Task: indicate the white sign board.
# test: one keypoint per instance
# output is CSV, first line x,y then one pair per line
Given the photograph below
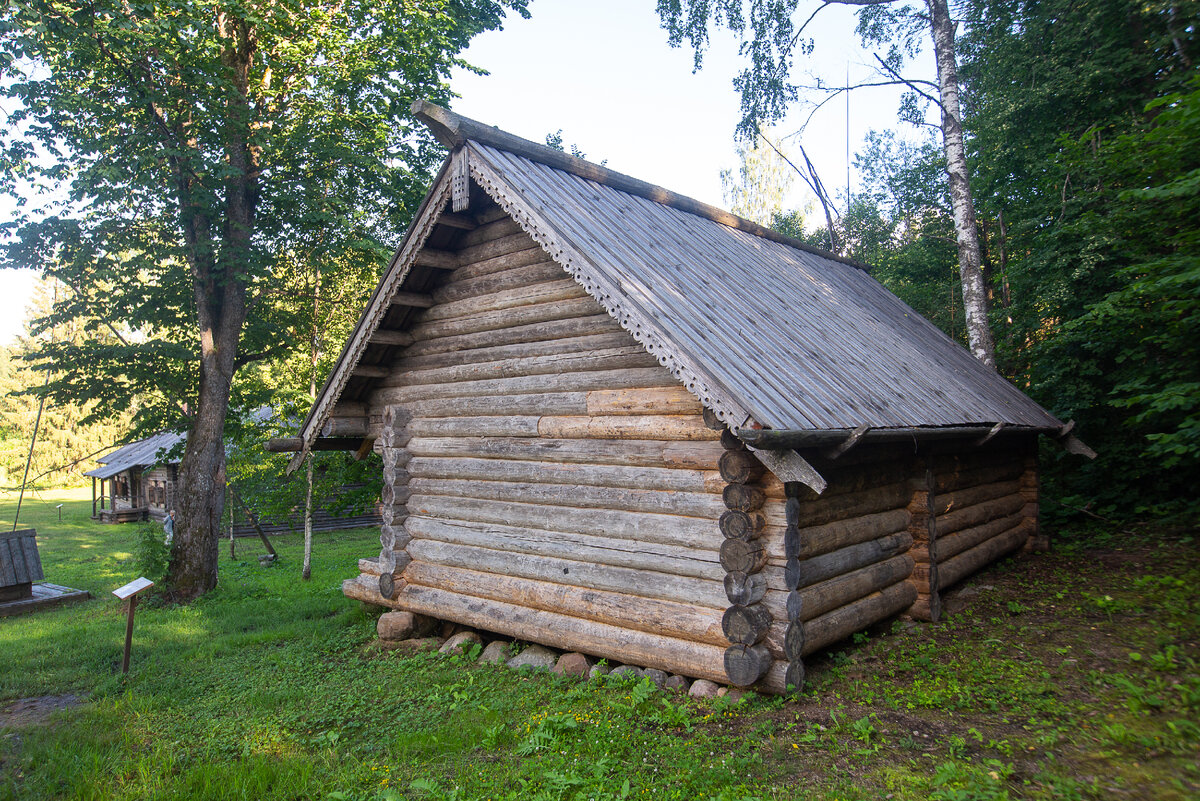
x,y
133,588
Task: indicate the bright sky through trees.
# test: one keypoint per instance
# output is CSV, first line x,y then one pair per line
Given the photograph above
x,y
604,74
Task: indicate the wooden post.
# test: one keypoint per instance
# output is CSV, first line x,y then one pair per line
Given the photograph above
x,y
130,593
129,633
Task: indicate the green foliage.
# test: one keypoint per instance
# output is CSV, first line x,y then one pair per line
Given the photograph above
x,y
151,552
265,688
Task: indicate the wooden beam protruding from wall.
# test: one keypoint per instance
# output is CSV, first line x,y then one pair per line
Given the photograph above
x,y
415,299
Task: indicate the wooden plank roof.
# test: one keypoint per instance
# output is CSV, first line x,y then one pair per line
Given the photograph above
x,y
766,331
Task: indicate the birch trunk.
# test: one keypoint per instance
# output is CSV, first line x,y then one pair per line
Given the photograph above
x,y
975,301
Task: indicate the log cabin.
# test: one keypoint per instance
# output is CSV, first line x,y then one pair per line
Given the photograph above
x,y
140,480
618,421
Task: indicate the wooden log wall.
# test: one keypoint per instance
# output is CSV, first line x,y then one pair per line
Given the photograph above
x,y
557,483
394,535
980,505
837,562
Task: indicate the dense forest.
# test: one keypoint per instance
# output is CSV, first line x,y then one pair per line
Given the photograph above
x,y
1083,134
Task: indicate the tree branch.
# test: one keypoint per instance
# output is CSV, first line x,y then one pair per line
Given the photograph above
x,y
911,84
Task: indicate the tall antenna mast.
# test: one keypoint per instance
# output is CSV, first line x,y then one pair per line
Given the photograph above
x,y
847,136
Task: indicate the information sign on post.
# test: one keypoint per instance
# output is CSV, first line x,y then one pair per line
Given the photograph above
x,y
130,592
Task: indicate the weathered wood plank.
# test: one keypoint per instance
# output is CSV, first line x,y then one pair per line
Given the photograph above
x,y
601,475
688,428
651,615
639,453
589,575
640,499
692,532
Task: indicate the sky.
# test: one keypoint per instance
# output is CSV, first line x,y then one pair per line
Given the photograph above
x,y
604,74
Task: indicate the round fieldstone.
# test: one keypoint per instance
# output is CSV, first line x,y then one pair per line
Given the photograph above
x,y
572,664
395,625
626,670
659,677
534,657
495,653
703,688
676,683
461,642
597,671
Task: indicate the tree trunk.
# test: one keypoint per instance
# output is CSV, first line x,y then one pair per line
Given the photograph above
x,y
979,334
220,296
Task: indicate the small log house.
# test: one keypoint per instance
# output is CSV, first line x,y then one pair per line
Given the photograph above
x,y
619,421
141,482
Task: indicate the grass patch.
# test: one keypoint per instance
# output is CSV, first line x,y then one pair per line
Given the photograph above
x,y
1069,675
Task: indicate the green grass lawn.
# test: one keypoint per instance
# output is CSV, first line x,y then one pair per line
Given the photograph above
x,y
1067,675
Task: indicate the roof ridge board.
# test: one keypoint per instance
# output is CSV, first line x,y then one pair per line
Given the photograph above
x,y
454,130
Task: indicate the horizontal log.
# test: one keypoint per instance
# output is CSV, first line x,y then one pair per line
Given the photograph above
x,y
370,371
746,664
829,537
492,321
971,516
581,343
741,525
416,300
815,600
369,567
951,571
512,278
495,426
507,333
970,496
530,254
845,560
740,467
647,400
742,556
650,615
587,575
437,259
487,230
383,336
843,507
616,358
494,406
517,385
460,222
843,480
345,427
491,248
642,453
844,621
505,300
948,481
746,625
745,588
349,409
743,498
626,500
953,544
557,630
663,479
696,534
284,445
685,428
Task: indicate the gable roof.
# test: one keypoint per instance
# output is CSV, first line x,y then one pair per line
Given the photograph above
x,y
143,453
766,331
